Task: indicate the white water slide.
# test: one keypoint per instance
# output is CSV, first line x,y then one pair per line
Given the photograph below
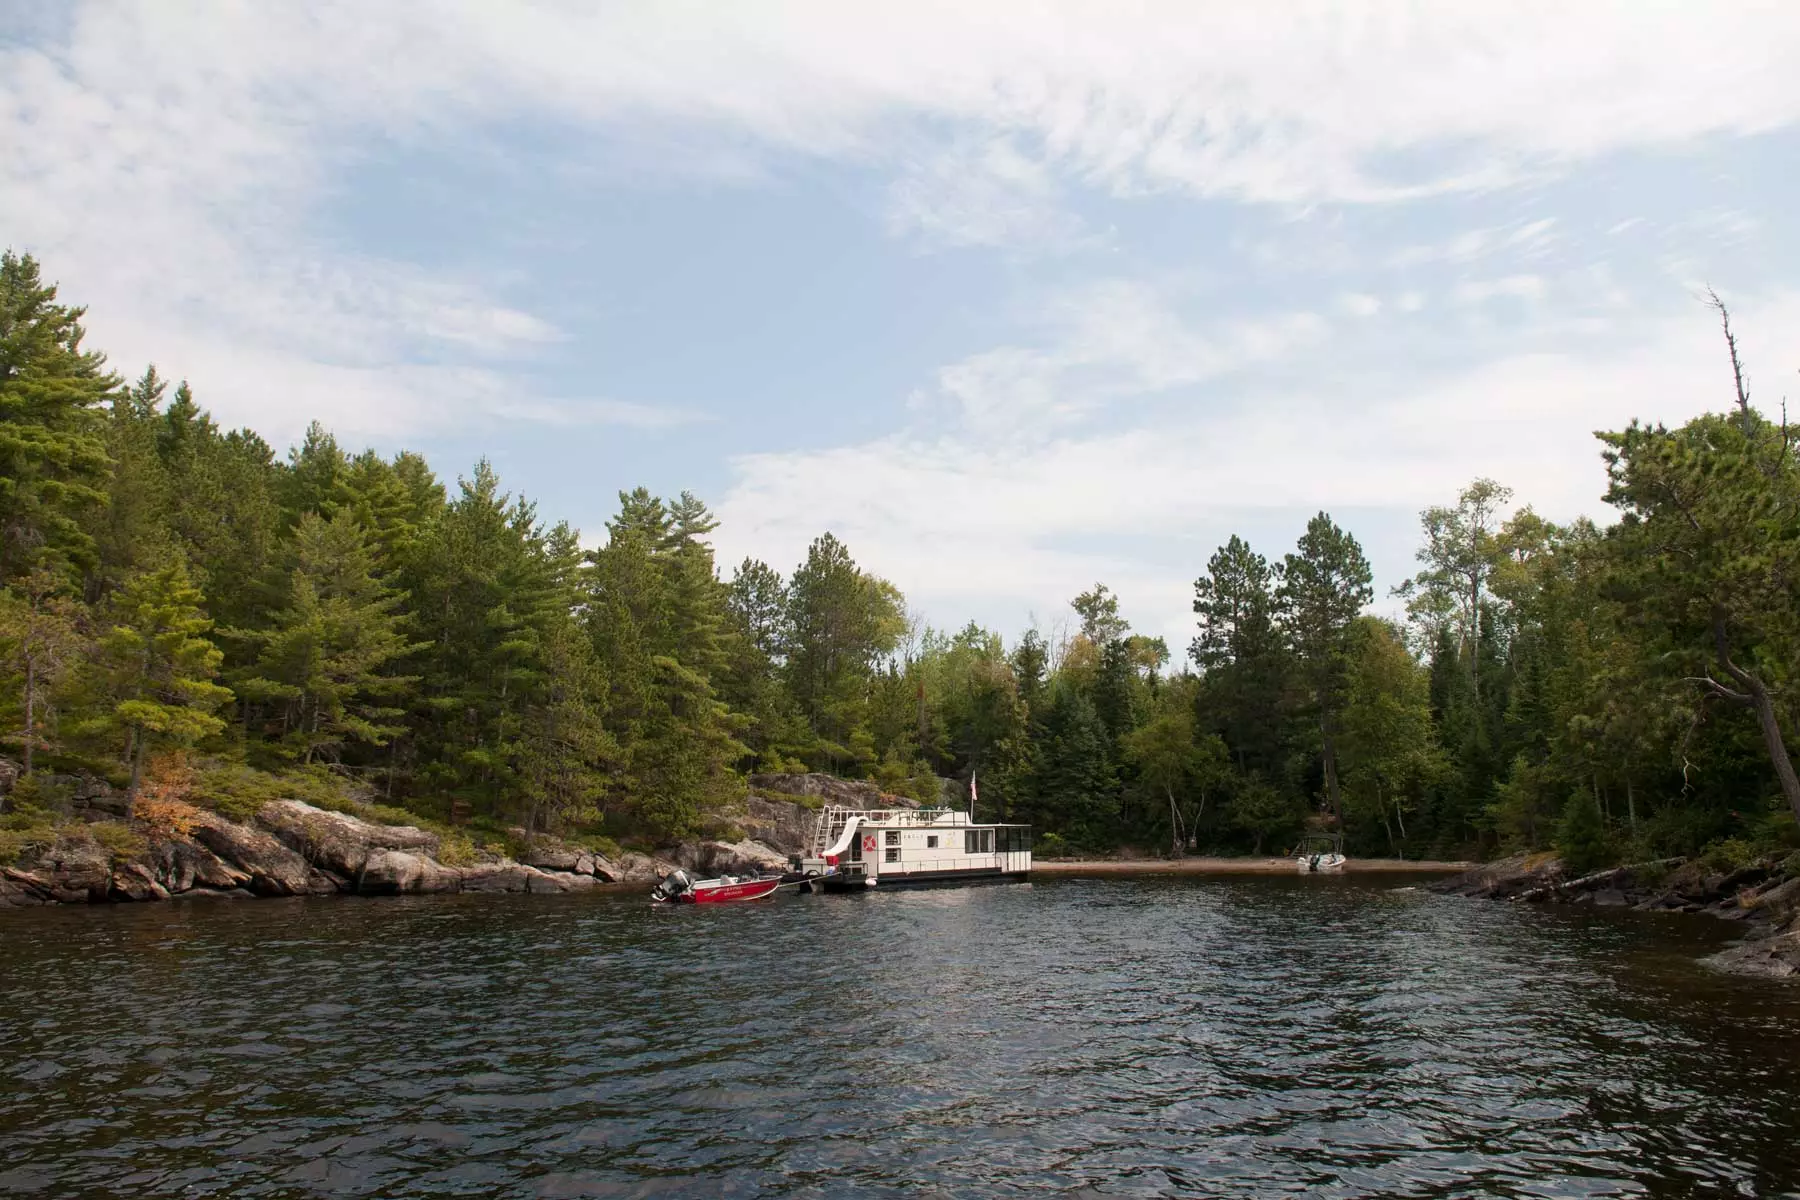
x,y
844,838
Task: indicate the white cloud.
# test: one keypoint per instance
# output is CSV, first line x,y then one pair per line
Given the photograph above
x,y
1517,287
1360,304
962,518
170,159
1105,344
990,194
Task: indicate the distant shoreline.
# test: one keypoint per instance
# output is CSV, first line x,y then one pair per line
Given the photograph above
x,y
1230,866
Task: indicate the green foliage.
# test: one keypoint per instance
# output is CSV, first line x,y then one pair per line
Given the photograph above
x,y
120,841
158,666
1729,854
326,668
1581,836
26,827
53,462
393,648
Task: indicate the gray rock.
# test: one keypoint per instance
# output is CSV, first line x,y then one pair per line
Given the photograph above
x,y
736,858
337,842
779,823
274,870
548,854
76,871
499,877
398,872
206,893
180,865
22,889
852,793
1772,957
640,868
133,881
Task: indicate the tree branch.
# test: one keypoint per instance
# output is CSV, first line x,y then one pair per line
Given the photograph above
x,y
1720,690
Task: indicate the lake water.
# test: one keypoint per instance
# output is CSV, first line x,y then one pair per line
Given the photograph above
x,y
1120,1037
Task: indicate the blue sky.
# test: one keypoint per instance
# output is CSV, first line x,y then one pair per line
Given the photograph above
x,y
1013,298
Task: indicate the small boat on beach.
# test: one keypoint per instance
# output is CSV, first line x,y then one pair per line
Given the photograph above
x,y
677,888
1319,853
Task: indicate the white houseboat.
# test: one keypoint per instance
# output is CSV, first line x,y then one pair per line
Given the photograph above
x,y
911,847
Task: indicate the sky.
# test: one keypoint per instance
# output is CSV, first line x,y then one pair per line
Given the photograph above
x,y
1011,297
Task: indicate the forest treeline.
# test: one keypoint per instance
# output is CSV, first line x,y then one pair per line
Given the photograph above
x,y
177,592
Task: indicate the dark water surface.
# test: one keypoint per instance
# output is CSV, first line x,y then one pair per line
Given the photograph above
x,y
1150,1037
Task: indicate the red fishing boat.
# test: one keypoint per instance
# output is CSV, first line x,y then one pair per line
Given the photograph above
x,y
677,888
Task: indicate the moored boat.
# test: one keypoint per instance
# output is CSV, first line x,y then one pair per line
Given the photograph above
x,y
853,849
677,888
1319,853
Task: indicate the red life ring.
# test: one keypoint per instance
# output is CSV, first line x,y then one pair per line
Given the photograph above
x,y
868,843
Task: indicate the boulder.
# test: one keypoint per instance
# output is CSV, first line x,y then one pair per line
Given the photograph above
x,y
504,877
735,858
97,800
133,881
547,854
398,872
599,868
640,868
180,865
274,870
22,889
1520,876
337,842
1776,956
779,823
75,871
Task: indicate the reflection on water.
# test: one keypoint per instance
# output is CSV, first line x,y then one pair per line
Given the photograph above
x,y
1227,1037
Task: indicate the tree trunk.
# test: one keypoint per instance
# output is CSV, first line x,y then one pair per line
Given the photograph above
x,y
1630,805
1755,696
30,711
1328,759
1176,836
1381,806
1778,755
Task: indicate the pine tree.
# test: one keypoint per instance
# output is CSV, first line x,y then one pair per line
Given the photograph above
x,y
1324,585
40,635
326,665
160,666
53,462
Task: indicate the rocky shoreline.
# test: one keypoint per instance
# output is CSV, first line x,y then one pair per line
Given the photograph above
x,y
291,848
1764,896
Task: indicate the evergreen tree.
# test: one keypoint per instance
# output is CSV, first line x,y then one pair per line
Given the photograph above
x,y
40,635
326,666
159,666
53,462
1324,586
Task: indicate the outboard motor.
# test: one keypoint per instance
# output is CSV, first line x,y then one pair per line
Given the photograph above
x,y
674,886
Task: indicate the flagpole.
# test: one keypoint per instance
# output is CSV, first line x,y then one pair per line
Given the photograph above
x,y
971,795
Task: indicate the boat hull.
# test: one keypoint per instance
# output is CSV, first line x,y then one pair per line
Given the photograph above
x,y
730,893
921,879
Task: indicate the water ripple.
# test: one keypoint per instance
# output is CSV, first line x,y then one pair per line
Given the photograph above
x,y
1249,1037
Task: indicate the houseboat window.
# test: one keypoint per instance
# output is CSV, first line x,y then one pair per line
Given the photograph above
x,y
893,854
893,838
931,841
978,841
